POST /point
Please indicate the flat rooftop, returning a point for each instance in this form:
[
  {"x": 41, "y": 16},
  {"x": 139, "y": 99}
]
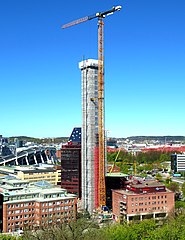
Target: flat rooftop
[{"x": 116, "y": 174}]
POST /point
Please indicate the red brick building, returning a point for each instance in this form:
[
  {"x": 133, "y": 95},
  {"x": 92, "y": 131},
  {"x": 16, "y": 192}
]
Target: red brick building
[
  {"x": 39, "y": 204},
  {"x": 142, "y": 201}
]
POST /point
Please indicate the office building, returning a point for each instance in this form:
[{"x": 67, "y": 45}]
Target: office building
[
  {"x": 71, "y": 163},
  {"x": 140, "y": 201},
  {"x": 49, "y": 173},
  {"x": 178, "y": 162}
]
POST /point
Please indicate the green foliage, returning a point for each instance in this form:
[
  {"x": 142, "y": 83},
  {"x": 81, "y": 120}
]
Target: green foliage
[
  {"x": 144, "y": 160},
  {"x": 158, "y": 177},
  {"x": 183, "y": 189},
  {"x": 173, "y": 228},
  {"x": 8, "y": 237},
  {"x": 180, "y": 204},
  {"x": 173, "y": 186},
  {"x": 67, "y": 231},
  {"x": 168, "y": 181},
  {"x": 148, "y": 230}
]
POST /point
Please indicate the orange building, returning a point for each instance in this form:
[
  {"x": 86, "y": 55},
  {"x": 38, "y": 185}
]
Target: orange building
[{"x": 142, "y": 201}]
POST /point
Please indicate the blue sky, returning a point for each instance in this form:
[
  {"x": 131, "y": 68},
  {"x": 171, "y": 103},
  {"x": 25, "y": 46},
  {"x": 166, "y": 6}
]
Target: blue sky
[{"x": 144, "y": 66}]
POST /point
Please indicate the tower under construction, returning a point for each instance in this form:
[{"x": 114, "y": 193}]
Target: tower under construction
[{"x": 89, "y": 76}]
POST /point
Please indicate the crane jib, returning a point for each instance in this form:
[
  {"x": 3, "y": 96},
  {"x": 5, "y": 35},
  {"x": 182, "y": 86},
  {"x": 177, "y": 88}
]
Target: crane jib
[
  {"x": 97, "y": 15},
  {"x": 84, "y": 19}
]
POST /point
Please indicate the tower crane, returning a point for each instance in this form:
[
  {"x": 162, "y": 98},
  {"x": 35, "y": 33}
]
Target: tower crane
[{"x": 101, "y": 135}]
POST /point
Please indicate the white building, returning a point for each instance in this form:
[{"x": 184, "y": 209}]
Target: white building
[{"x": 178, "y": 162}]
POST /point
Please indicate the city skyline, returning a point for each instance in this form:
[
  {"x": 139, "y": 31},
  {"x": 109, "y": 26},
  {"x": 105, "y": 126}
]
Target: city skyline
[{"x": 144, "y": 67}]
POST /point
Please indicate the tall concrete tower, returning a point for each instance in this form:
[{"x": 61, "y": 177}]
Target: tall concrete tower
[{"x": 89, "y": 75}]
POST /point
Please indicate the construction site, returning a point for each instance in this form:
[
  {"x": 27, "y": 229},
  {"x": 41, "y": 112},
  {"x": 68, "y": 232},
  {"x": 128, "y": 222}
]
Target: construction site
[
  {"x": 102, "y": 188},
  {"x": 93, "y": 149}
]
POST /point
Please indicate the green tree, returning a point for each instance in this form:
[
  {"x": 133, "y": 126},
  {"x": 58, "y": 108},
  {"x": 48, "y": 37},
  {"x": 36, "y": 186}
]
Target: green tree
[
  {"x": 75, "y": 230},
  {"x": 158, "y": 177},
  {"x": 183, "y": 189},
  {"x": 173, "y": 186}
]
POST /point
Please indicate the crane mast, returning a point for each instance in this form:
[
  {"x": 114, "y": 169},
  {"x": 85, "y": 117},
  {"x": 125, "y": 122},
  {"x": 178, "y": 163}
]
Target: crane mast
[{"x": 101, "y": 131}]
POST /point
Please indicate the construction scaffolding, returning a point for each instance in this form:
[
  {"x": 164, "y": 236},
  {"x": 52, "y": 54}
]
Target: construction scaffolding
[{"x": 89, "y": 73}]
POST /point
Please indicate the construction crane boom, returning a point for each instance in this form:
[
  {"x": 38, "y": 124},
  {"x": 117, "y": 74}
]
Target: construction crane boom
[
  {"x": 97, "y": 15},
  {"x": 101, "y": 131}
]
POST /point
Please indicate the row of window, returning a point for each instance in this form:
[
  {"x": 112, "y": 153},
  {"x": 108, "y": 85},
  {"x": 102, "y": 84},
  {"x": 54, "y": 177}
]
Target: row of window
[
  {"x": 20, "y": 217},
  {"x": 148, "y": 198},
  {"x": 37, "y": 215},
  {"x": 20, "y": 223},
  {"x": 148, "y": 209},
  {"x": 56, "y": 203},
  {"x": 21, "y": 211},
  {"x": 56, "y": 209},
  {"x": 17, "y": 205},
  {"x": 20, "y": 205},
  {"x": 148, "y": 203}
]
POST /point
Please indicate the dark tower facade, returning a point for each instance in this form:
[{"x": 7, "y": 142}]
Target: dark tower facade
[{"x": 71, "y": 163}]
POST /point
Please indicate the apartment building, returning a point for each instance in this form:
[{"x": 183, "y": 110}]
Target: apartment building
[
  {"x": 32, "y": 205},
  {"x": 142, "y": 201}
]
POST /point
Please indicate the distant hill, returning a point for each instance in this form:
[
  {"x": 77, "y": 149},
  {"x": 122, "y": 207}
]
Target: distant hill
[
  {"x": 136, "y": 139},
  {"x": 39, "y": 140},
  {"x": 161, "y": 139}
]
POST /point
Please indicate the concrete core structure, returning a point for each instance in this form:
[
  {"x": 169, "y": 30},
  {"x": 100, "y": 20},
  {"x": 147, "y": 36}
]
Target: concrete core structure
[{"x": 89, "y": 76}]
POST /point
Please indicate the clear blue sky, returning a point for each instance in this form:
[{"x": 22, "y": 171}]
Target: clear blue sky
[{"x": 144, "y": 66}]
